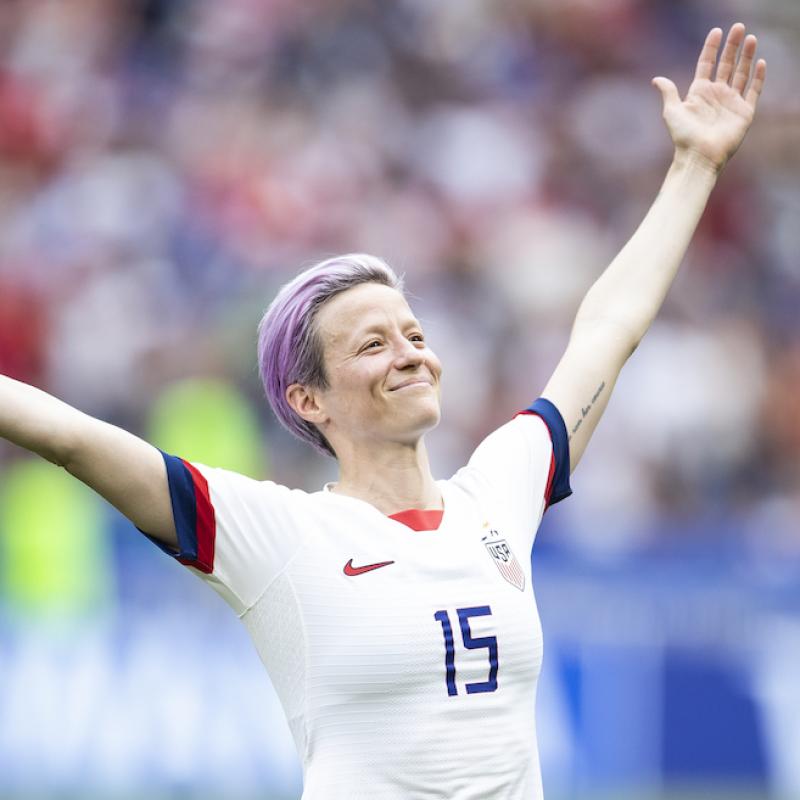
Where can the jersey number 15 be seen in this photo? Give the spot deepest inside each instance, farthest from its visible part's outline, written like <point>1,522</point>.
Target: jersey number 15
<point>471,643</point>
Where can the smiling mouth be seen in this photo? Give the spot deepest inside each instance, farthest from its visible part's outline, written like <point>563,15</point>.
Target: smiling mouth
<point>411,384</point>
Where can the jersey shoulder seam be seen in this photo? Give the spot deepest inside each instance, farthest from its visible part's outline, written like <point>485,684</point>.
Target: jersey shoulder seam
<point>272,580</point>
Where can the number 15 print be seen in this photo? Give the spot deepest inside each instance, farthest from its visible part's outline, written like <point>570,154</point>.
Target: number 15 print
<point>471,643</point>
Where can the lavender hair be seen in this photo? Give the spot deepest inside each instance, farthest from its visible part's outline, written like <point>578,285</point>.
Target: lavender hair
<point>289,346</point>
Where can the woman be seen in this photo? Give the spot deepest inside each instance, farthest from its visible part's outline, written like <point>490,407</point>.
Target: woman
<point>394,612</point>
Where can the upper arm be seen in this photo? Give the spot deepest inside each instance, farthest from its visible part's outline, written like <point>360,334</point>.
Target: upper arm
<point>126,471</point>
<point>583,381</point>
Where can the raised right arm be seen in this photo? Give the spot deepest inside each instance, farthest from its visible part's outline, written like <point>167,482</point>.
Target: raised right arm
<point>125,470</point>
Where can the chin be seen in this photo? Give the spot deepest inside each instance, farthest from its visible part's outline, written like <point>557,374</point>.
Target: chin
<point>426,420</point>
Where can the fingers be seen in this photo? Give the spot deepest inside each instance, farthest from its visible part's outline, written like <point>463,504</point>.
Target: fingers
<point>735,63</point>
<point>742,73</point>
<point>727,61</point>
<point>708,55</point>
<point>754,92</point>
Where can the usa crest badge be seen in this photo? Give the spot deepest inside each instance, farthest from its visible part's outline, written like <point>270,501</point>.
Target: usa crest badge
<point>505,560</point>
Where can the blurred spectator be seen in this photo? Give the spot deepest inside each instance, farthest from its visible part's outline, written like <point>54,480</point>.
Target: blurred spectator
<point>166,166</point>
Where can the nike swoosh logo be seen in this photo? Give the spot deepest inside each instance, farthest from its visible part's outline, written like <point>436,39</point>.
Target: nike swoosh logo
<point>350,570</point>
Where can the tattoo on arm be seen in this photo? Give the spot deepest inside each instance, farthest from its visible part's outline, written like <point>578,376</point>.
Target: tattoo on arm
<point>586,409</point>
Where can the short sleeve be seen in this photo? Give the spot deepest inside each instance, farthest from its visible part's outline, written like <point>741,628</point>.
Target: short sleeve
<point>558,487</point>
<point>236,533</point>
<point>526,462</point>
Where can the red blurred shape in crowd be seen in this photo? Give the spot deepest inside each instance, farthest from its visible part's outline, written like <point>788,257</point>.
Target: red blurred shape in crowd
<point>23,333</point>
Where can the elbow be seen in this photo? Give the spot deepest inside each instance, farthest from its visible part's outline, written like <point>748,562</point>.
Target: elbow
<point>620,332</point>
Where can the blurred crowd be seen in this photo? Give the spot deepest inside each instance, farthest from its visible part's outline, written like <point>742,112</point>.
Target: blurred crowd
<point>165,165</point>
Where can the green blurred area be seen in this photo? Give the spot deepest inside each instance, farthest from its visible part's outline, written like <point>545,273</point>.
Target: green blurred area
<point>211,422</point>
<point>55,559</point>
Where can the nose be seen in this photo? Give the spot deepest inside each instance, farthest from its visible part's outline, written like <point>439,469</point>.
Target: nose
<point>407,355</point>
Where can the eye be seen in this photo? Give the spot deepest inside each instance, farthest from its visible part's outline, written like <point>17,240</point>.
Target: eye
<point>417,337</point>
<point>371,345</point>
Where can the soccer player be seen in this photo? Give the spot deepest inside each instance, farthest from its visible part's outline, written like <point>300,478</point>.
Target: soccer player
<point>394,612</point>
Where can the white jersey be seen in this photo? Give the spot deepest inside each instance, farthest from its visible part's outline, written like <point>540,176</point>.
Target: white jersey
<point>405,650</point>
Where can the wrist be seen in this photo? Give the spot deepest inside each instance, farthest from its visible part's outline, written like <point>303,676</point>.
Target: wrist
<point>692,162</point>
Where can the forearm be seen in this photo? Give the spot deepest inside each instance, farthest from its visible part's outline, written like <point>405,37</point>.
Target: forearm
<point>38,421</point>
<point>632,289</point>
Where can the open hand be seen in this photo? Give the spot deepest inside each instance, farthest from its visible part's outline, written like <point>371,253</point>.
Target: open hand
<point>718,109</point>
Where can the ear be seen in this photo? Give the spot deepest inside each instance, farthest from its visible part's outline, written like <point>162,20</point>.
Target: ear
<point>306,403</point>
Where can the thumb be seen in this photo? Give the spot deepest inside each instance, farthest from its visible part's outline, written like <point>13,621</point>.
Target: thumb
<point>669,92</point>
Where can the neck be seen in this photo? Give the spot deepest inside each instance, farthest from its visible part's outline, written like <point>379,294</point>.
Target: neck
<point>394,478</point>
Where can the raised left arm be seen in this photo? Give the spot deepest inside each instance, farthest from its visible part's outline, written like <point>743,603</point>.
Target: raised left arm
<point>706,128</point>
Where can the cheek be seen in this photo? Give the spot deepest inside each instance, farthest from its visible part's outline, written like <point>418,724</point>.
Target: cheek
<point>356,387</point>
<point>434,363</point>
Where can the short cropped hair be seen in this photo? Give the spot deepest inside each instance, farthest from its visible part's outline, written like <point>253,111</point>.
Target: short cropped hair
<point>290,349</point>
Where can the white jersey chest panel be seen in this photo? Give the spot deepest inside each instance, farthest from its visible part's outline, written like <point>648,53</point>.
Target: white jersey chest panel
<point>402,671</point>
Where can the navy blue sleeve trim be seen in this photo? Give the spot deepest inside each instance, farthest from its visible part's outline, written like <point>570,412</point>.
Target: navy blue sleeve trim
<point>560,488</point>
<point>184,510</point>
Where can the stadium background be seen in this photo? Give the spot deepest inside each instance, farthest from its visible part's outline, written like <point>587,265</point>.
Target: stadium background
<point>165,166</point>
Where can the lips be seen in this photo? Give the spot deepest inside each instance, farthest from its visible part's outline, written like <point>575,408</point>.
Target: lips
<point>407,384</point>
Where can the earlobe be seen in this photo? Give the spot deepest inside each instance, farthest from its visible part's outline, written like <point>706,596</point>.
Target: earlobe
<point>305,403</point>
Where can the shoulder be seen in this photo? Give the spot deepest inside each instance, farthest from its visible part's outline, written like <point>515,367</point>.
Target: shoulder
<point>527,435</point>
<point>528,453</point>
<point>224,497</point>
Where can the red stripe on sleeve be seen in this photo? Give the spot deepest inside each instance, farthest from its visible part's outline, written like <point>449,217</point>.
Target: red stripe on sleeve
<point>549,490</point>
<point>206,525</point>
